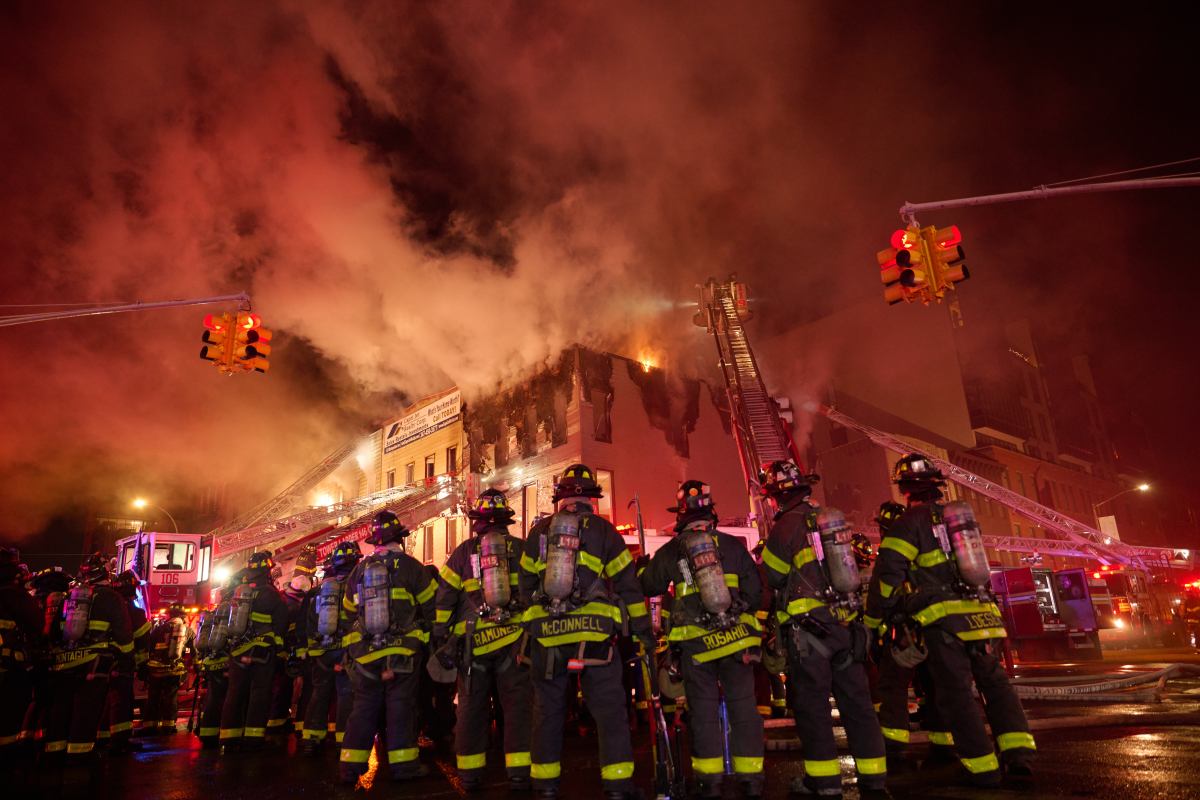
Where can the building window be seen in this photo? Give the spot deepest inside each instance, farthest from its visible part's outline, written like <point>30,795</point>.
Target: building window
<point>604,506</point>
<point>410,474</point>
<point>391,479</point>
<point>452,460</point>
<point>430,470</point>
<point>1021,482</point>
<point>451,534</point>
<point>428,536</point>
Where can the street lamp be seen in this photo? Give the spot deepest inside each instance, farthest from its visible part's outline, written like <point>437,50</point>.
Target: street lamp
<point>1141,487</point>
<point>141,502</point>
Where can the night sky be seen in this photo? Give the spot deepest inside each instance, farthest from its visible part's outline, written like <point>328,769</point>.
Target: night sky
<point>425,193</point>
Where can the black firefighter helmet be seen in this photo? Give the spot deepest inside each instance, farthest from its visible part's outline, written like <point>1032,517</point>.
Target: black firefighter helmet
<point>780,478</point>
<point>918,477</point>
<point>344,556</point>
<point>490,510</point>
<point>126,583</point>
<point>577,480</point>
<point>889,512</point>
<point>386,527</point>
<point>693,501</point>
<point>258,567</point>
<point>93,570</point>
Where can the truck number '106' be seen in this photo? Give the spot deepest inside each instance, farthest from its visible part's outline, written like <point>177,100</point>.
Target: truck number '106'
<point>170,578</point>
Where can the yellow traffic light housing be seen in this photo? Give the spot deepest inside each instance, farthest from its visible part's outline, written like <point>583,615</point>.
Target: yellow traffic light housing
<point>948,256</point>
<point>218,347</point>
<point>251,343</point>
<point>921,264</point>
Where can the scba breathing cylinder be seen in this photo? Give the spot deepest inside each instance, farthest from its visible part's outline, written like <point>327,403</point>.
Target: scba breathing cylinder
<point>967,544</point>
<point>77,610</point>
<point>837,548</point>
<point>239,610</point>
<point>329,601</point>
<point>707,573</point>
<point>376,598</point>
<point>558,581</point>
<point>204,631</point>
<point>493,570</point>
<point>176,638</point>
<point>220,628</point>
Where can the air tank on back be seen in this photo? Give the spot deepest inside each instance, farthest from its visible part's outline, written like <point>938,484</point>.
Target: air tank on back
<point>77,610</point>
<point>239,609</point>
<point>376,598</point>
<point>967,544</point>
<point>562,548</point>
<point>329,601</point>
<point>708,574</point>
<point>837,546</point>
<point>493,569</point>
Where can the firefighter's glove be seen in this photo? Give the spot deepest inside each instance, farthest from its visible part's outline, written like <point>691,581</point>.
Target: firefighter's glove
<point>640,563</point>
<point>445,655</point>
<point>646,643</point>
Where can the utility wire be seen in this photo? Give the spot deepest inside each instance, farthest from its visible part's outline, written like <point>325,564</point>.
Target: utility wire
<point>1129,172</point>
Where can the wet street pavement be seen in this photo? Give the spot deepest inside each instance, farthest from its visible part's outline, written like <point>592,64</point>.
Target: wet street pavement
<point>1079,757</point>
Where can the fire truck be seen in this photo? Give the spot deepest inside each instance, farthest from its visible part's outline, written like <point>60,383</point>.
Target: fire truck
<point>173,567</point>
<point>1050,614</point>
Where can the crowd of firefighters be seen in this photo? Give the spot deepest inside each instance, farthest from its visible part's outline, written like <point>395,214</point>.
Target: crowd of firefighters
<point>527,632</point>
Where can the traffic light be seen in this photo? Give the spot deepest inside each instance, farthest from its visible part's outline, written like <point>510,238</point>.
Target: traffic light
<point>217,346</point>
<point>251,343</point>
<point>902,267</point>
<point>948,257</point>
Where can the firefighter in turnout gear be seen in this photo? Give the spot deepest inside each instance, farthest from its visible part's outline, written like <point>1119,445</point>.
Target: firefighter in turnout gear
<point>716,592</point>
<point>581,593</point>
<point>477,630</point>
<point>328,626</point>
<point>389,605</point>
<point>939,551</point>
<point>20,625</point>
<point>900,658</point>
<point>258,619</point>
<point>810,564</point>
<point>118,717</point>
<point>290,665</point>
<point>94,640</point>
<point>212,662</point>
<point>165,670</point>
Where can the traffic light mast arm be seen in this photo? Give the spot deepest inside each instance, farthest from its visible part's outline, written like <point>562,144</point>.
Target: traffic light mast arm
<point>97,310</point>
<point>909,211</point>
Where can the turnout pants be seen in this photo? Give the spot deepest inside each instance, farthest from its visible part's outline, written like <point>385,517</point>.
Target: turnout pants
<point>953,665</point>
<point>392,703</point>
<point>117,722</point>
<point>604,693</point>
<point>16,693</point>
<point>816,668</point>
<point>76,704</point>
<point>500,674</point>
<point>162,703</point>
<point>704,685</point>
<point>216,686</point>
<point>894,681</point>
<point>247,700</point>
<point>330,686</point>
<point>283,689</point>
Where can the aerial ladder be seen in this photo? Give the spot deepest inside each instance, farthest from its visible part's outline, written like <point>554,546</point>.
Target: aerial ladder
<point>761,437</point>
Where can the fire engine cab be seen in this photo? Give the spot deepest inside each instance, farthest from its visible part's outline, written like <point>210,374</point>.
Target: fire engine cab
<point>174,568</point>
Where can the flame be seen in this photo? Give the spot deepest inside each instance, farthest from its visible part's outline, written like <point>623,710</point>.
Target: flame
<point>324,499</point>
<point>647,359</point>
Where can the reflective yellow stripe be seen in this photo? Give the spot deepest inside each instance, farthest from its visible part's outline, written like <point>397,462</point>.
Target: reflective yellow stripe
<point>545,772</point>
<point>708,766</point>
<point>873,623</point>
<point>747,765</point>
<point>398,593</point>
<point>442,615</point>
<point>529,565</point>
<point>80,747</point>
<point>471,585</point>
<point>231,733</point>
<point>516,759</point>
<point>55,747</point>
<point>886,589</point>
<point>871,766</point>
<point>619,563</point>
<point>256,616</point>
<point>250,732</point>
<point>477,761</point>
<point>988,763</point>
<point>591,562</point>
<point>900,546</point>
<point>804,556</point>
<point>983,633</point>
<point>206,732</point>
<point>427,593</point>
<point>931,558</point>
<point>375,655</point>
<point>348,603</point>
<point>120,727</point>
<point>637,610</point>
<point>351,638</point>
<point>897,734</point>
<point>354,756</point>
<point>451,577</point>
<point>142,631</point>
<point>941,738</point>
<point>616,772</point>
<point>337,737</point>
<point>729,649</point>
<point>97,625</point>
<point>732,581</point>
<point>802,605</point>
<point>775,562</point>
<point>1011,741</point>
<point>932,613</point>
<point>503,641</point>
<point>822,769</point>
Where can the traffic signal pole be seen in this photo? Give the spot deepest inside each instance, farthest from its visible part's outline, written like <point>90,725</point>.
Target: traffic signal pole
<point>91,311</point>
<point>909,211</point>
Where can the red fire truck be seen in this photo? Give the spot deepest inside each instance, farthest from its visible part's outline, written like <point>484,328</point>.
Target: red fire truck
<point>1049,614</point>
<point>174,568</point>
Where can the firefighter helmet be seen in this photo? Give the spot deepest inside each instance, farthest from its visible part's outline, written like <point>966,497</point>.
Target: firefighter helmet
<point>782,476</point>
<point>260,562</point>
<point>386,527</point>
<point>175,610</point>
<point>693,501</point>
<point>490,510</point>
<point>93,570</point>
<point>864,552</point>
<point>577,480</point>
<point>889,512</point>
<point>344,557</point>
<point>126,583</point>
<point>50,579</point>
<point>915,467</point>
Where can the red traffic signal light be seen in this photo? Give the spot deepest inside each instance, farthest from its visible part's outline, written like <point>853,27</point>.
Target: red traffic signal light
<point>251,344</point>
<point>216,340</point>
<point>902,267</point>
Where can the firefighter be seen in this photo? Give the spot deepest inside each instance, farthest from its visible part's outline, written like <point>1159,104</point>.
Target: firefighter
<point>389,605</point>
<point>581,592</point>
<point>258,619</point>
<point>436,712</point>
<point>900,657</point>
<point>327,627</point>
<point>810,564</point>
<point>716,592</point>
<point>95,640</point>
<point>939,551</point>
<point>49,588</point>
<point>212,662</point>
<point>477,630</point>
<point>290,666</point>
<point>164,672</point>
<point>1190,613</point>
<point>118,721</point>
<point>20,625</point>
